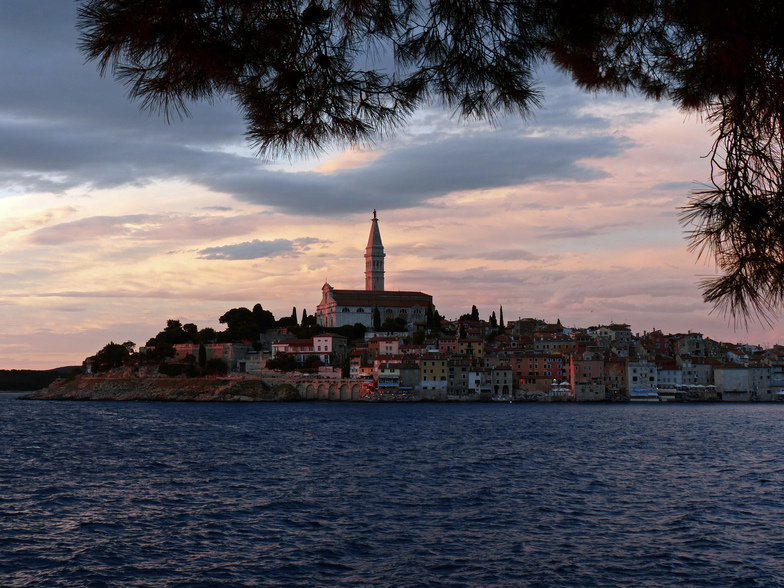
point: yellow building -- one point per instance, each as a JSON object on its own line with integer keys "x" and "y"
{"x": 471, "y": 347}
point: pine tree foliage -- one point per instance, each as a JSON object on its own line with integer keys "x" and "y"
{"x": 310, "y": 74}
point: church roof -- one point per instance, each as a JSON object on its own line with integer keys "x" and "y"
{"x": 381, "y": 298}
{"x": 374, "y": 239}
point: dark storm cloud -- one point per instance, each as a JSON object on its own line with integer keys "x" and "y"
{"x": 408, "y": 175}
{"x": 249, "y": 250}
{"x": 258, "y": 249}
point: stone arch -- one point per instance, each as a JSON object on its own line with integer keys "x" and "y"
{"x": 286, "y": 392}
{"x": 310, "y": 392}
{"x": 355, "y": 392}
{"x": 334, "y": 392}
{"x": 344, "y": 393}
{"x": 322, "y": 393}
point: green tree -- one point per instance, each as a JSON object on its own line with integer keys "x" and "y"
{"x": 308, "y": 75}
{"x": 158, "y": 351}
{"x": 501, "y": 317}
{"x": 376, "y": 319}
{"x": 437, "y": 318}
{"x": 215, "y": 366}
{"x": 493, "y": 321}
{"x": 394, "y": 325}
{"x": 245, "y": 325}
{"x": 474, "y": 313}
{"x": 284, "y": 362}
{"x": 207, "y": 335}
{"x": 202, "y": 355}
{"x": 312, "y": 362}
{"x": 192, "y": 331}
{"x": 264, "y": 318}
{"x": 112, "y": 355}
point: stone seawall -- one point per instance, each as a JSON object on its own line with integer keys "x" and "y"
{"x": 166, "y": 390}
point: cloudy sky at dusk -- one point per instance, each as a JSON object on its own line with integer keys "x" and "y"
{"x": 113, "y": 221}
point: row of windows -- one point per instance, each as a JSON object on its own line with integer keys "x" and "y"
{"x": 388, "y": 310}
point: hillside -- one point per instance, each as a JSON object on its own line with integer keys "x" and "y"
{"x": 28, "y": 380}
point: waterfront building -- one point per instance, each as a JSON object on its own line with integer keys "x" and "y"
{"x": 641, "y": 375}
{"x": 502, "y": 382}
{"x": 733, "y": 381}
{"x": 433, "y": 372}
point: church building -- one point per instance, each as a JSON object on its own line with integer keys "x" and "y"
{"x": 348, "y": 307}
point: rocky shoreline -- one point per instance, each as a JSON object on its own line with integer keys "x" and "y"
{"x": 165, "y": 390}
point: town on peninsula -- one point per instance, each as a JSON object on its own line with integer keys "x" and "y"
{"x": 383, "y": 345}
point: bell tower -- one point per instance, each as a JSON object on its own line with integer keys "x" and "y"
{"x": 374, "y": 259}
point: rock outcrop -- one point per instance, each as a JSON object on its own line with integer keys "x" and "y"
{"x": 165, "y": 390}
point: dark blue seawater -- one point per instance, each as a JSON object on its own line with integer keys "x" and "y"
{"x": 133, "y": 494}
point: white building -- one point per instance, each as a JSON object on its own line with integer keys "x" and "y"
{"x": 641, "y": 375}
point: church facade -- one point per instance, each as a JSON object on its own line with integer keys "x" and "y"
{"x": 348, "y": 307}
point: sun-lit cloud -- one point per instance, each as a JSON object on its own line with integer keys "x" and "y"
{"x": 35, "y": 219}
{"x": 349, "y": 159}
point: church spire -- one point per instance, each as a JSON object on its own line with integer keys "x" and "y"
{"x": 374, "y": 258}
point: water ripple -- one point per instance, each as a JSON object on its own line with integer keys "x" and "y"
{"x": 113, "y": 494}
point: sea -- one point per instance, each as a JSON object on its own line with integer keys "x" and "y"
{"x": 390, "y": 495}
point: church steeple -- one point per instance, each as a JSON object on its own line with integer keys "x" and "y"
{"x": 374, "y": 259}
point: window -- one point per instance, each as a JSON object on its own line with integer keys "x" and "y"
{"x": 360, "y": 310}
{"x": 346, "y": 310}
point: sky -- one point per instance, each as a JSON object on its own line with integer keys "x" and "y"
{"x": 113, "y": 220}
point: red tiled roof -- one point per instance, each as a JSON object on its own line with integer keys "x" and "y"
{"x": 385, "y": 298}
